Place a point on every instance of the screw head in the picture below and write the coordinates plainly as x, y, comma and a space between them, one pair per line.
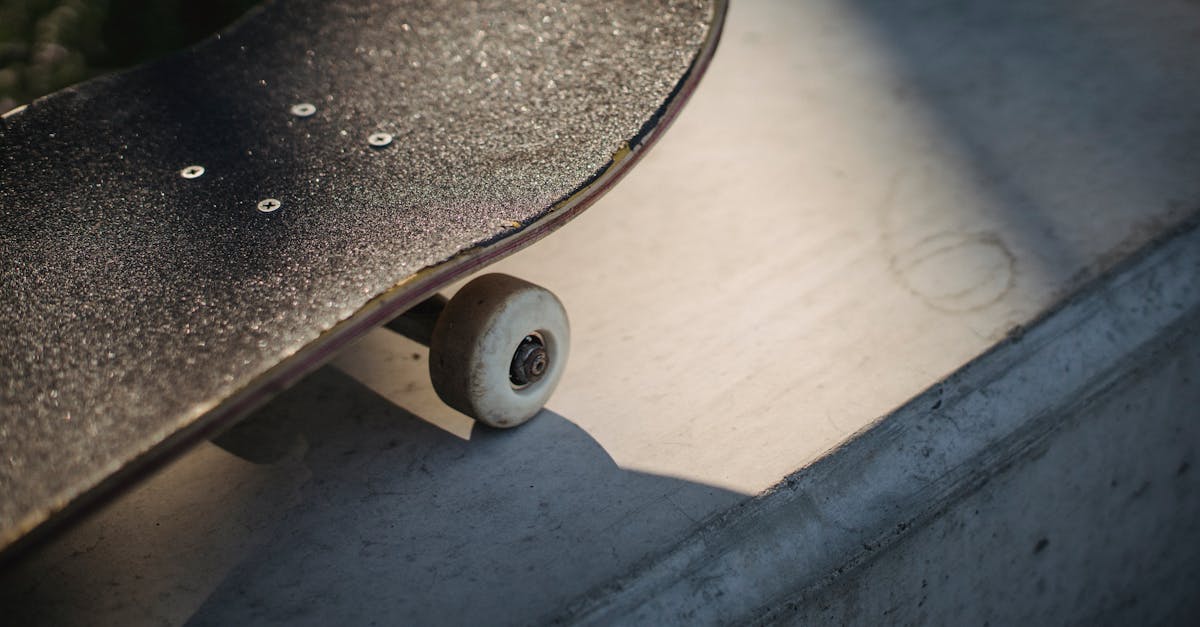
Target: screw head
267, 205
379, 140
192, 172
303, 109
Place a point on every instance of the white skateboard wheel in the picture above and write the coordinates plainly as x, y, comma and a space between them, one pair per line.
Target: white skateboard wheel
499, 349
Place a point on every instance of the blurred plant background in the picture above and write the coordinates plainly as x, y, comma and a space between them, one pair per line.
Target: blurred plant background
46, 45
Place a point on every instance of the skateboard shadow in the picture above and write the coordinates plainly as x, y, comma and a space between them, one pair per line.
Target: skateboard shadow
367, 515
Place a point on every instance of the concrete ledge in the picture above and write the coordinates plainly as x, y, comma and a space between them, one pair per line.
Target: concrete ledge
815, 546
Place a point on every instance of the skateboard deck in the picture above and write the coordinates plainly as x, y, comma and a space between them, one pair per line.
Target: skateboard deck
182, 241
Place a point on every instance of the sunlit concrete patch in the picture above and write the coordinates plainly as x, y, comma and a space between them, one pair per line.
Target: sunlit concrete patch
1078, 435
856, 202
397, 369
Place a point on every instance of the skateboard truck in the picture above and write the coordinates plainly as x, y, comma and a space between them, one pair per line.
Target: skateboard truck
497, 349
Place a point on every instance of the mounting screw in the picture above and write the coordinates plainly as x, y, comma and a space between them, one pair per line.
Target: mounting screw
267, 205
379, 140
192, 172
303, 109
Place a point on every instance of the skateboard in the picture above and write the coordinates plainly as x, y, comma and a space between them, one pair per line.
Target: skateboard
182, 241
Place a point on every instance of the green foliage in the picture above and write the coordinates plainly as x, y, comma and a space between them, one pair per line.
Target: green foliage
46, 45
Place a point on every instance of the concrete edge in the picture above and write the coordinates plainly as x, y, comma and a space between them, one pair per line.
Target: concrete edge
835, 514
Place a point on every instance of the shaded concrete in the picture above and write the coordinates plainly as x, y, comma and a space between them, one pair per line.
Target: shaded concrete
1095, 523
365, 514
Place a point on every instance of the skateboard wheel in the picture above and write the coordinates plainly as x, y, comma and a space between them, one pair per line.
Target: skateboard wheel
498, 349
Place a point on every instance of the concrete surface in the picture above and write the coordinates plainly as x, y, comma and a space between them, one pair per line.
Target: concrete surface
861, 198
1093, 524
1079, 434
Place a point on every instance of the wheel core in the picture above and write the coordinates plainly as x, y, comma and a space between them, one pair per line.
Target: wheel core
530, 362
